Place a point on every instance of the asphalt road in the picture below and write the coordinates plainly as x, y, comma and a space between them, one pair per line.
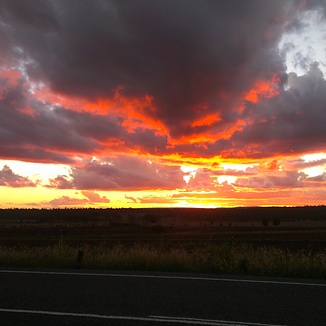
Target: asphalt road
108, 298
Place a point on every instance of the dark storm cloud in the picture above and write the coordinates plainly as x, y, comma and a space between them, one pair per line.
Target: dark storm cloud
195, 58
188, 55
38, 131
33, 155
109, 128
290, 123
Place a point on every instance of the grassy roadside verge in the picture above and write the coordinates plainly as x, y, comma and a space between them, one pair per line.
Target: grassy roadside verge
225, 258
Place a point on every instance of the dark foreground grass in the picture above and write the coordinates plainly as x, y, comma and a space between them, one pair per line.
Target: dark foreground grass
225, 258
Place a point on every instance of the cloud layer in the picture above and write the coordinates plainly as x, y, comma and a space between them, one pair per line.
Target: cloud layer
127, 92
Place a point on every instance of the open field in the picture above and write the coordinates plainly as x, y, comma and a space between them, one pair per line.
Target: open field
280, 247
285, 228
292, 238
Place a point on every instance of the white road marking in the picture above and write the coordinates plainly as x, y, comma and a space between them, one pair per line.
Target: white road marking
165, 277
228, 323
162, 319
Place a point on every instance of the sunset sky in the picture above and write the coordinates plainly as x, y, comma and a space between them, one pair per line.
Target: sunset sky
166, 103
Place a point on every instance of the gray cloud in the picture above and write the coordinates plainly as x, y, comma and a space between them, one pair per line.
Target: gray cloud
195, 58
189, 55
120, 173
291, 123
9, 179
319, 178
35, 130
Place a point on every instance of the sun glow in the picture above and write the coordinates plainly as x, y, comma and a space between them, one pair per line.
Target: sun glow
319, 169
226, 178
194, 204
237, 166
36, 171
313, 157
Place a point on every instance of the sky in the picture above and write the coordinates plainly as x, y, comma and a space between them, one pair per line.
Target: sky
167, 103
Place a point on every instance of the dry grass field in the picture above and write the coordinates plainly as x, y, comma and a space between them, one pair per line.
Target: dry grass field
278, 247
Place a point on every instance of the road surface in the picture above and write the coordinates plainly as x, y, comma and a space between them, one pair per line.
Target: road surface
31, 297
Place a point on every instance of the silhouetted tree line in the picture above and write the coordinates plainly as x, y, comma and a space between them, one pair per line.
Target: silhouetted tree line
154, 215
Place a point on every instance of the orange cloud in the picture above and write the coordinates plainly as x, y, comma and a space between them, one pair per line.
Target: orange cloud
273, 165
135, 111
207, 120
263, 88
209, 136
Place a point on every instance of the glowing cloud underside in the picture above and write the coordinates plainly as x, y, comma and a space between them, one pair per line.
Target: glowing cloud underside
163, 103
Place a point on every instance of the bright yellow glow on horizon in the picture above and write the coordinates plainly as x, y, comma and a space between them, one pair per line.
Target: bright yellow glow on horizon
209, 188
186, 204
